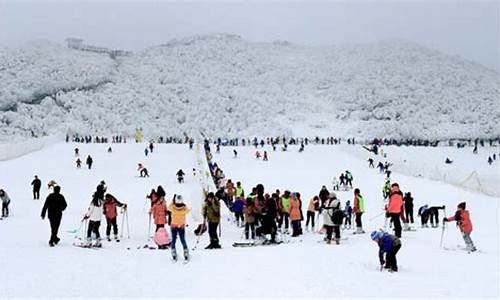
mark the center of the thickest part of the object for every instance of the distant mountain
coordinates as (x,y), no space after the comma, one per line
(223,85)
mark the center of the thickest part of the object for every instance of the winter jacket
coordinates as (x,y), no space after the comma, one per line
(312,205)
(347,209)
(159,211)
(109,208)
(239,192)
(423,210)
(463,220)
(285,204)
(238,205)
(230,189)
(55,204)
(95,212)
(328,211)
(36,183)
(324,194)
(178,214)
(249,211)
(408,200)
(271,209)
(211,211)
(387,243)
(359,204)
(395,201)
(294,209)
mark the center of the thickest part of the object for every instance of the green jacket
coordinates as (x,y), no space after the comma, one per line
(361,204)
(285,204)
(239,192)
(211,211)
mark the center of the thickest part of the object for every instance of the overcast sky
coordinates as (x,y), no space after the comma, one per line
(466,28)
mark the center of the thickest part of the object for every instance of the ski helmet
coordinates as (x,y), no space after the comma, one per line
(375,234)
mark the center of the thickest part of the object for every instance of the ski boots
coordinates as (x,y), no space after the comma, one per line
(174,254)
(186,254)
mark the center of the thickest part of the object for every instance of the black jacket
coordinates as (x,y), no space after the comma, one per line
(55,204)
(36,183)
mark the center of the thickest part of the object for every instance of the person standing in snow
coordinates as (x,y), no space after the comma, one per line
(159,208)
(5,203)
(249,211)
(55,204)
(394,208)
(37,184)
(109,209)
(311,212)
(324,195)
(180,176)
(359,209)
(370,163)
(151,147)
(423,213)
(78,163)
(285,206)
(94,214)
(295,212)
(89,162)
(408,200)
(386,189)
(389,245)
(211,212)
(462,217)
(179,210)
(348,215)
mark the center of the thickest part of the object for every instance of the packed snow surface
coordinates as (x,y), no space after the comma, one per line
(305,269)
(225,86)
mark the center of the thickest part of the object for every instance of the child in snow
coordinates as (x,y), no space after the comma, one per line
(109,210)
(462,217)
(5,203)
(347,215)
(179,211)
(390,245)
(249,210)
(94,214)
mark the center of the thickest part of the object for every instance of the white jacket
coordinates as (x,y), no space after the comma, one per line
(95,212)
(328,211)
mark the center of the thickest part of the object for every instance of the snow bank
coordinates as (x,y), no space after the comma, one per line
(467,170)
(10,150)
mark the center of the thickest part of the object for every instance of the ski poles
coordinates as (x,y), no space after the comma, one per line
(199,235)
(128,228)
(442,231)
(149,228)
(376,216)
(123,220)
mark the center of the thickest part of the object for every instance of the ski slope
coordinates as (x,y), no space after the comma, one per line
(302,268)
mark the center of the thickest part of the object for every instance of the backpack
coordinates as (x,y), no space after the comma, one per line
(161,237)
(337,216)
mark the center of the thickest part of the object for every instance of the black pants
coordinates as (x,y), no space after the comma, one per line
(239,216)
(348,220)
(144,173)
(93,228)
(409,214)
(249,227)
(336,229)
(310,216)
(329,231)
(36,194)
(283,218)
(434,217)
(5,209)
(296,229)
(396,220)
(390,258)
(358,220)
(111,223)
(212,232)
(54,228)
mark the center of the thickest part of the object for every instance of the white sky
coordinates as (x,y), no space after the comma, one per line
(466,28)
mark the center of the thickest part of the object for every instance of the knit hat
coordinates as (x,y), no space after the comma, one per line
(179,199)
(375,234)
(461,205)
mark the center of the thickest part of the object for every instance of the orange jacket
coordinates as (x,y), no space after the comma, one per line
(159,211)
(294,209)
(463,220)
(312,205)
(395,201)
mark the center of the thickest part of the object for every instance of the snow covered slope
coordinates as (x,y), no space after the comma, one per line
(304,269)
(226,86)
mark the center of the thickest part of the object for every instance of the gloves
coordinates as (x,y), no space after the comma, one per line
(445,219)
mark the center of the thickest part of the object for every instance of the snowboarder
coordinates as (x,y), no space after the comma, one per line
(394,208)
(249,211)
(359,209)
(143,172)
(311,212)
(89,162)
(295,212)
(180,176)
(37,184)
(109,210)
(348,215)
(5,203)
(179,210)
(78,163)
(408,200)
(390,245)
(94,214)
(211,212)
(54,205)
(462,217)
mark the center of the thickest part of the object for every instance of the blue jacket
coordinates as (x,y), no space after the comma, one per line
(238,206)
(387,243)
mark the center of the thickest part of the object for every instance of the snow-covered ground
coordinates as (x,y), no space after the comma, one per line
(305,269)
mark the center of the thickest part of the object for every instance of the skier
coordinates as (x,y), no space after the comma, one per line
(342,180)
(348,177)
(408,200)
(380,167)
(37,184)
(295,212)
(78,163)
(211,212)
(55,204)
(490,161)
(359,209)
(239,192)
(269,217)
(335,184)
(348,215)
(89,162)
(249,211)
(146,151)
(285,206)
(311,212)
(301,149)
(109,210)
(330,205)
(423,213)
(230,190)
(178,224)
(448,161)
(143,172)
(180,176)
(159,209)
(94,214)
(386,189)
(5,203)
(370,163)
(217,148)
(151,147)
(462,217)
(265,156)
(390,245)
(394,208)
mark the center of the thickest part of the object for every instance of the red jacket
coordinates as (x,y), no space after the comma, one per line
(159,211)
(395,201)
(110,208)
(463,220)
